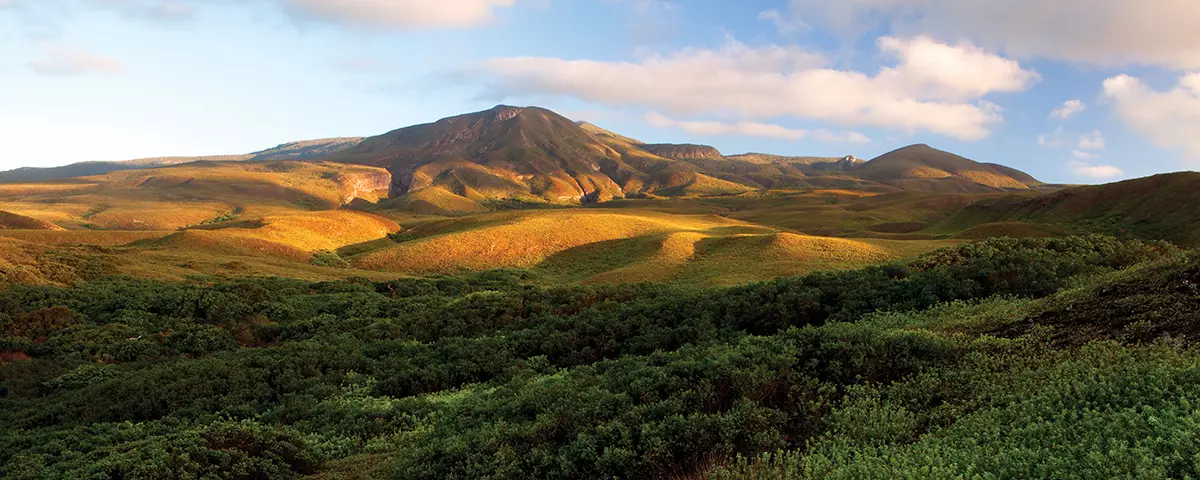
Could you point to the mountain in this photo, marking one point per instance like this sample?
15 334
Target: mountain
527 154
484 160
924 168
302 150
1158 207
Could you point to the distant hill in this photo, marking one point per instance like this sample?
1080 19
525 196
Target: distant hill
1157 207
302 150
12 221
924 168
764 158
684 151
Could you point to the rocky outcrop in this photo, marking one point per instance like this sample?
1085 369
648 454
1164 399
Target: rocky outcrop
371 185
683 151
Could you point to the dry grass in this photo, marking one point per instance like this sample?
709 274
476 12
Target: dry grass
524 239
12 221
181 196
107 238
292 237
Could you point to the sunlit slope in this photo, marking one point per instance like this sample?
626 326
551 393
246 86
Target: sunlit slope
293 236
624 245
923 168
177 197
1161 207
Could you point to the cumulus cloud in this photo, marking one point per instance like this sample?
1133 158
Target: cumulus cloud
1068 109
398 14
932 87
754 129
1092 141
1170 118
1101 32
58 61
1099 172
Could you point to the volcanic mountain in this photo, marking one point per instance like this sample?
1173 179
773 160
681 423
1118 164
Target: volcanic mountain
530 154
924 168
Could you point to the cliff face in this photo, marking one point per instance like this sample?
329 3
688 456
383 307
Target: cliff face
683 151
371 185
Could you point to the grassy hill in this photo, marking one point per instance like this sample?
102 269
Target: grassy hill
302 150
621 245
923 168
192 194
1158 207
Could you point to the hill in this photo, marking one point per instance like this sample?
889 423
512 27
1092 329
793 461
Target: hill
924 168
1161 207
302 150
12 221
168 198
683 151
764 158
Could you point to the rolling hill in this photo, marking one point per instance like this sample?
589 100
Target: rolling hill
169 198
1161 207
924 168
302 150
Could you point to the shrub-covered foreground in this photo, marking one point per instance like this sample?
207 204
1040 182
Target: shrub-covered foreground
967 363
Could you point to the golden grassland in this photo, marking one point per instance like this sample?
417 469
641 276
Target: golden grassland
178 197
269 218
523 239
623 245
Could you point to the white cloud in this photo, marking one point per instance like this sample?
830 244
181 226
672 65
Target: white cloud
399 14
1082 155
58 61
1099 172
1102 32
933 87
1092 141
1068 109
1170 119
754 129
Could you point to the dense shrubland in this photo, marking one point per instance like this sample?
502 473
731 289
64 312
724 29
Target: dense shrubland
976 360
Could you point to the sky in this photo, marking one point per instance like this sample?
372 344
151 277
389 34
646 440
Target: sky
1071 91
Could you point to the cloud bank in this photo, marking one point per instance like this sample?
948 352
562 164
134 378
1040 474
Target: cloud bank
933 87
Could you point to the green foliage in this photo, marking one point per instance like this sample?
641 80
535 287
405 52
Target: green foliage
925 369
328 258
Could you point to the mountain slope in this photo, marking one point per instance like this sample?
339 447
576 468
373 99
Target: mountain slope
921 167
302 150
169 198
530 154
1161 207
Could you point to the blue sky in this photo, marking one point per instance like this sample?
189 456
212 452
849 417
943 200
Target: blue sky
120 79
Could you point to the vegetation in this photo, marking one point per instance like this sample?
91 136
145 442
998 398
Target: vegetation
967 361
